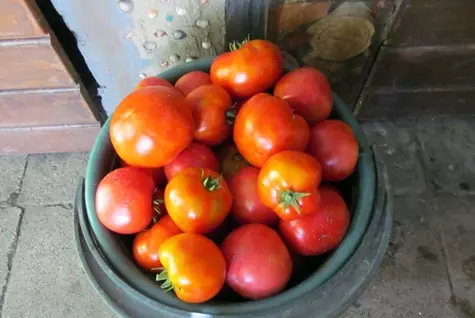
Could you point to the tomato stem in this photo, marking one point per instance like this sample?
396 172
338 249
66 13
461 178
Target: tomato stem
234 45
163 277
230 116
290 198
209 183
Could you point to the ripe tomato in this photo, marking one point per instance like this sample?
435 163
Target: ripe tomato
147 243
196 155
322 231
308 92
288 183
124 200
335 146
158 174
266 125
212 108
247 207
230 160
190 81
249 70
154 81
193 266
151 126
198 200
258 262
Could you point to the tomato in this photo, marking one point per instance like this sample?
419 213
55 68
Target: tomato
335 146
212 108
308 92
154 81
249 70
258 262
198 200
194 267
124 200
196 155
322 231
158 174
266 125
247 207
190 81
147 243
230 160
151 126
288 182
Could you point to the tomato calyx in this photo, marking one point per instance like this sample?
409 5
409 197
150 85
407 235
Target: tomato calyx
163 277
156 203
289 198
230 116
235 45
209 183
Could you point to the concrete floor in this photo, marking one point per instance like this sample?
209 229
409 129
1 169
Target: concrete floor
428 271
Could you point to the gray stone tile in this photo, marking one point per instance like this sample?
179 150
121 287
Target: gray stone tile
46 278
412 281
11 171
52 178
448 149
9 218
396 143
457 223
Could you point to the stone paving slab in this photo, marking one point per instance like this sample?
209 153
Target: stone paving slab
397 145
9 220
52 178
412 281
11 173
448 151
46 278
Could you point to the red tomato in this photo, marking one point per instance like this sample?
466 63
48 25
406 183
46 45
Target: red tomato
335 146
158 174
147 243
190 81
322 231
198 200
247 207
257 260
249 70
151 126
266 125
124 200
196 155
230 160
308 92
154 81
288 183
194 267
212 108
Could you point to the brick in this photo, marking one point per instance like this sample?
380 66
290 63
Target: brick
11 172
9 219
47 279
52 178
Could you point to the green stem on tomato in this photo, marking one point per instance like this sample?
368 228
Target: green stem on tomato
290 198
209 183
234 45
163 277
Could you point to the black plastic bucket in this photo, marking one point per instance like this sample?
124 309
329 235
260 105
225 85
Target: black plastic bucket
327 290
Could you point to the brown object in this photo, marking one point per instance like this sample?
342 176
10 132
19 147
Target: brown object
16 21
292 15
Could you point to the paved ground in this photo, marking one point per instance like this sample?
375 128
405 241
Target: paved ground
428 271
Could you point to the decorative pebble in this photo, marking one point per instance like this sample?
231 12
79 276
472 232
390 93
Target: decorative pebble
126 6
202 23
160 33
174 57
130 35
142 75
206 45
179 34
169 18
152 13
191 58
150 46
164 63
181 11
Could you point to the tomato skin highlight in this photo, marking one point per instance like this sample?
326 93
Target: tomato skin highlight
249 70
147 243
191 81
334 145
193 207
154 81
196 155
319 232
124 200
292 171
266 125
151 126
247 207
195 266
308 92
210 104
258 262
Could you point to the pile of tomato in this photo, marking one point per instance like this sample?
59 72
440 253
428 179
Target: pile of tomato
226 176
